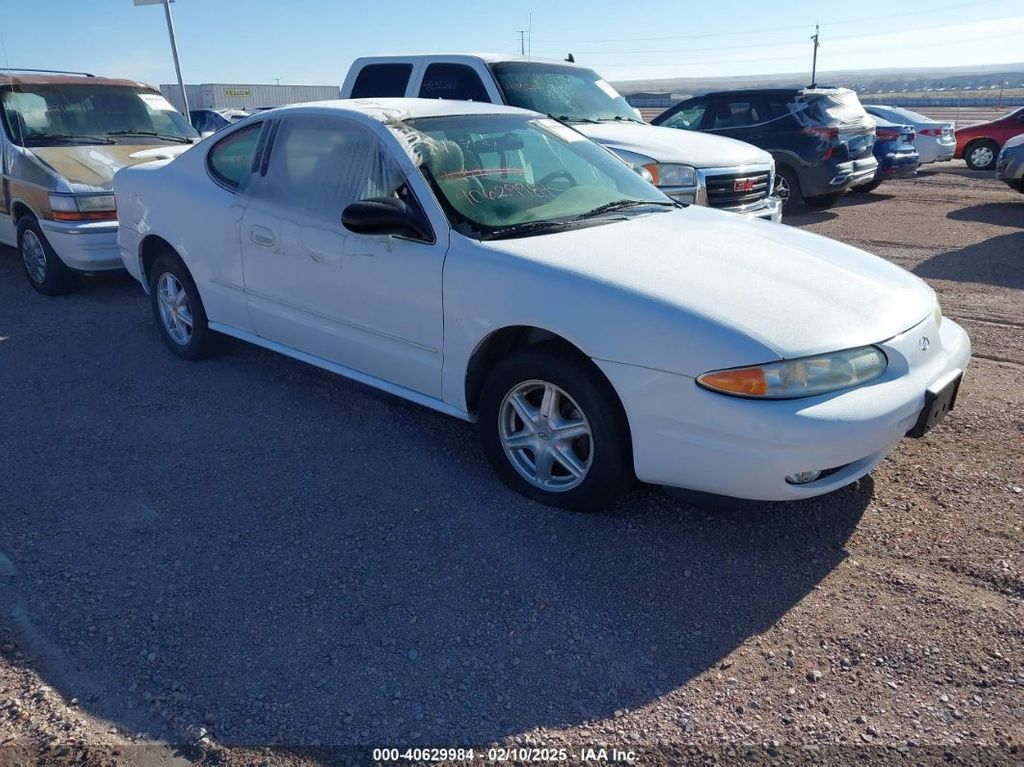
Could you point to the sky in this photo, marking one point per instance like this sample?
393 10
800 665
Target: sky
315 41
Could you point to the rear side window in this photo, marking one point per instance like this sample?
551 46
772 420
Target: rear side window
453 81
777 107
381 81
230 160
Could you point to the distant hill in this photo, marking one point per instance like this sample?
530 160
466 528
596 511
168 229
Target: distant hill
930 79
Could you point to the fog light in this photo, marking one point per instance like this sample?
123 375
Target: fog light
803 477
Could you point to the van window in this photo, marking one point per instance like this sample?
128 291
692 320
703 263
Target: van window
72 113
381 81
230 160
453 81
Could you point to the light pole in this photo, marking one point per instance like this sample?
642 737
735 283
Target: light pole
174 48
814 62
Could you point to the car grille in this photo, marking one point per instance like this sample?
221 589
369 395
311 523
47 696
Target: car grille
723 191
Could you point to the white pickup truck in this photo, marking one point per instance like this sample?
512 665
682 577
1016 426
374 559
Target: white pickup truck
688 166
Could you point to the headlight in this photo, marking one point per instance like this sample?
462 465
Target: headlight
806 377
83 207
672 175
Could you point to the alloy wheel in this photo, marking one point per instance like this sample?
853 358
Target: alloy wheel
782 190
175 310
34 256
546 436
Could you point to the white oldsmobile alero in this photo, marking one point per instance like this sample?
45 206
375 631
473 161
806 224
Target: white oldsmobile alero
498 266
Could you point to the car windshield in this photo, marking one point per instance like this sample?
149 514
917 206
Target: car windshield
568 93
44 115
512 175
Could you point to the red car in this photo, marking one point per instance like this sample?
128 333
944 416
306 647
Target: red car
979 144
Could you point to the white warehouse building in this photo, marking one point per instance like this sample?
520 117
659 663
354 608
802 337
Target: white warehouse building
246 96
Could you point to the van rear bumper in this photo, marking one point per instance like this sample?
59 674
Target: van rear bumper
86 247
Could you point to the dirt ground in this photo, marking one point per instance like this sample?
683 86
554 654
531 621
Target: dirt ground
254 562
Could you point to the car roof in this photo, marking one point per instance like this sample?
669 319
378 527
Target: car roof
776 91
487 58
44 79
405 108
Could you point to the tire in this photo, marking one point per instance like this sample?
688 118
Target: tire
865 188
787 188
512 402
824 201
178 309
42 266
981 154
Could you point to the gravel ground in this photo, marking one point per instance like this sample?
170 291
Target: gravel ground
251 558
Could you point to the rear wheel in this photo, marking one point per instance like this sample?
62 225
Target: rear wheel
865 188
178 308
825 200
981 154
553 429
42 266
787 188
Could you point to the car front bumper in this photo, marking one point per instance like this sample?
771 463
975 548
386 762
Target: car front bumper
1010 168
85 247
687 437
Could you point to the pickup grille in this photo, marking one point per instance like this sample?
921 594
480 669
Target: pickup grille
734 190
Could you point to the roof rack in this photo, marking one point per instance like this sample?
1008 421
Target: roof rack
6 70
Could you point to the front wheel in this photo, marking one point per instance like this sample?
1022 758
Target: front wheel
553 429
787 188
981 155
43 268
178 308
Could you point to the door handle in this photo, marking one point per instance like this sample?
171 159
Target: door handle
260 235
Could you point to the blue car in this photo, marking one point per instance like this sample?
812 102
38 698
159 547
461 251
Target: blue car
894 149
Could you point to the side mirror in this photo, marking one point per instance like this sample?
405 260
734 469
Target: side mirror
385 215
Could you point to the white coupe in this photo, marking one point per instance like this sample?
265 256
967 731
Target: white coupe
498 266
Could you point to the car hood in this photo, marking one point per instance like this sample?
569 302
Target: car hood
92 168
793 292
702 150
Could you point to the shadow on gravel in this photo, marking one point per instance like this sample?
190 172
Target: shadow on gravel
852 199
998 213
283 557
995 261
808 216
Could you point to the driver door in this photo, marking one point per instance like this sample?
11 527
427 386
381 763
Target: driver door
368 302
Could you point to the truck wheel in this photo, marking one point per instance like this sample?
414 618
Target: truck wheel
981 154
43 268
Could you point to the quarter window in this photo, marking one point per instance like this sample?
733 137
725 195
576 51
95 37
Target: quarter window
381 81
230 160
453 81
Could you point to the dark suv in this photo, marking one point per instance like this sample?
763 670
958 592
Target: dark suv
821 138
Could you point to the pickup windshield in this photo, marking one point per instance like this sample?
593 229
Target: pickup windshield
568 93
501 176
50 114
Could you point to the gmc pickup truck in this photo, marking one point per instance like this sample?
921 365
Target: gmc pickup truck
689 167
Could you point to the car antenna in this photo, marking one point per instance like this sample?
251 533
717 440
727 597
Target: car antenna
570 59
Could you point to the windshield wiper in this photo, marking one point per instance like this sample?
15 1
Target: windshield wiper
82 137
608 207
153 134
524 228
619 118
571 119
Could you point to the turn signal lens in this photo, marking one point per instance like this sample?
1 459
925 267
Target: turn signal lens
806 377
